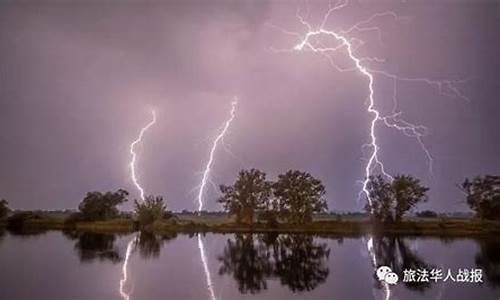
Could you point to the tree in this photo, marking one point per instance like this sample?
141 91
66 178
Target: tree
380 196
152 209
408 192
4 208
98 206
483 196
251 192
298 195
391 200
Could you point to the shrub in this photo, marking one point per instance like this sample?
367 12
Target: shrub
151 210
18 220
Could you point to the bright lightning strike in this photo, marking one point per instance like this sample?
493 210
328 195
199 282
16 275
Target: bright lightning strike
310 41
215 143
204 180
126 294
134 154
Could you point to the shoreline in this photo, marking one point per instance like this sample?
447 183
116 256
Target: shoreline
445 227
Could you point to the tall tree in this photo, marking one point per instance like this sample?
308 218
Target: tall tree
251 192
99 206
408 192
483 195
298 195
390 201
381 200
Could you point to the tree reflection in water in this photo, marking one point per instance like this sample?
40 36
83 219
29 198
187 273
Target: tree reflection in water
299 262
92 246
150 244
488 259
2 234
392 251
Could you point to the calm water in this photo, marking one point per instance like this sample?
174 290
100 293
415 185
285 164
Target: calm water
56 265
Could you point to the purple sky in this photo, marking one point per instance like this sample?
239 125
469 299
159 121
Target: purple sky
78 79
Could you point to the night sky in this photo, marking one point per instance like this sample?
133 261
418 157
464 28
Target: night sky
78 79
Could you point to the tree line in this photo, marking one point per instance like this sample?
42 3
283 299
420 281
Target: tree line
293 198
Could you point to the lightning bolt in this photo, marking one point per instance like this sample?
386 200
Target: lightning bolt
311 41
218 139
125 294
210 162
134 154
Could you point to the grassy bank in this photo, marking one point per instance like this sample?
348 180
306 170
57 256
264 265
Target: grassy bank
351 226
333 225
55 223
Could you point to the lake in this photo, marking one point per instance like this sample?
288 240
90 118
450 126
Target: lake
75 265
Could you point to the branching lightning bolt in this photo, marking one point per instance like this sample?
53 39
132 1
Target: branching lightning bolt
310 41
134 154
215 143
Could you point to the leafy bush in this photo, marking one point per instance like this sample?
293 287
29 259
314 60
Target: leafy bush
18 220
151 210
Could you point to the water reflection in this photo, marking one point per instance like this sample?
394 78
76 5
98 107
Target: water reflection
2 234
150 244
393 251
125 291
26 232
488 259
92 246
253 262
298 261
